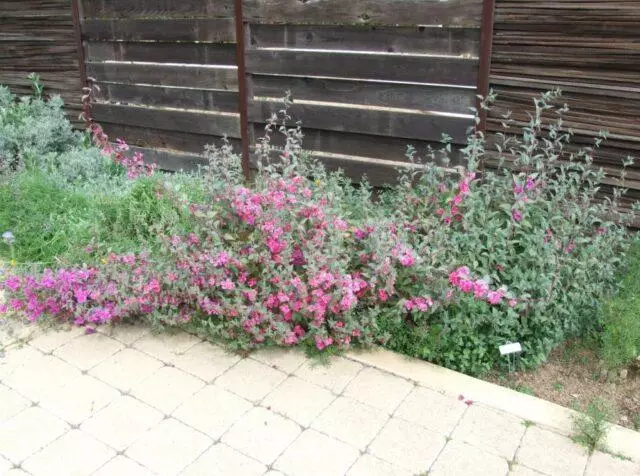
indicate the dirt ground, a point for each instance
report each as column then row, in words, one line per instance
column 574, row 375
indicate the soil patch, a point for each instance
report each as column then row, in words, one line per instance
column 573, row 376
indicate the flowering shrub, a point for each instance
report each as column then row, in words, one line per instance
column 444, row 266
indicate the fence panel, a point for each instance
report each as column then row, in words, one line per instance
column 38, row 36
column 167, row 73
column 367, row 77
column 590, row 51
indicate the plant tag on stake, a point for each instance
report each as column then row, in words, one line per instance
column 507, row 349
column 512, row 351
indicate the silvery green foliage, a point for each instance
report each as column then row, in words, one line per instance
column 31, row 127
column 534, row 224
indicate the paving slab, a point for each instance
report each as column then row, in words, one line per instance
column 126, row 401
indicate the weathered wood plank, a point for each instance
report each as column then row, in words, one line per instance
column 163, row 139
column 362, row 145
column 157, row 9
column 408, row 68
column 377, row 12
column 369, row 93
column 157, row 96
column 418, row 39
column 369, row 120
column 179, row 53
column 211, row 30
column 216, row 124
column 170, row 160
column 202, row 77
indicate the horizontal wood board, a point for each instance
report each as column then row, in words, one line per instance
column 591, row 51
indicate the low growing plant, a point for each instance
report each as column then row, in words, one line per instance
column 590, row 428
column 621, row 316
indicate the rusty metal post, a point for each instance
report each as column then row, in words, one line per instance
column 77, row 25
column 242, row 87
column 484, row 67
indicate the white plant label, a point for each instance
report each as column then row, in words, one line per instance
column 510, row 348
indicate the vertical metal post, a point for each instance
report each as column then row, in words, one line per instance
column 484, row 68
column 242, row 87
column 77, row 25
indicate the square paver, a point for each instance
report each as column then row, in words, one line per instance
column 28, row 432
column 167, row 388
column 286, row 360
column 122, row 466
column 16, row 472
column 369, row 465
column 167, row 345
column 251, row 379
column 39, row 375
column 407, row 445
column 212, row 410
column 205, row 361
column 459, row 458
column 5, row 465
column 75, row 453
column 378, row 389
column 351, row 421
column 490, row 430
column 603, row 463
column 316, row 454
column 262, row 435
column 335, row 376
column 299, row 400
column 168, row 447
column 431, row 409
column 551, row 453
column 78, row 399
column 122, row 422
column 125, row 333
column 126, row 368
column 16, row 358
column 220, row 460
column 519, row 470
column 50, row 340
column 12, row 403
column 88, row 351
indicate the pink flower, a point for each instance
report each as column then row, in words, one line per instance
column 339, row 224
column 530, row 184
column 480, row 288
column 494, row 297
column 227, row 285
column 512, row 303
column 516, row 215
column 382, row 295
column 439, row 212
column 457, row 200
column 13, row 283
column 466, row 285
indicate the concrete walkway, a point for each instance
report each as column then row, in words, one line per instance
column 135, row 403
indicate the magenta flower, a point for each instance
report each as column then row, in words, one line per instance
column 516, row 215
column 494, row 297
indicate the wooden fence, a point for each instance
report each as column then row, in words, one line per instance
column 39, row 36
column 588, row 48
column 170, row 83
column 368, row 76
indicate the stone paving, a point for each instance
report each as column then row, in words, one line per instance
column 130, row 402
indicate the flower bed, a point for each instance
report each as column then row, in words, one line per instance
column 443, row 266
